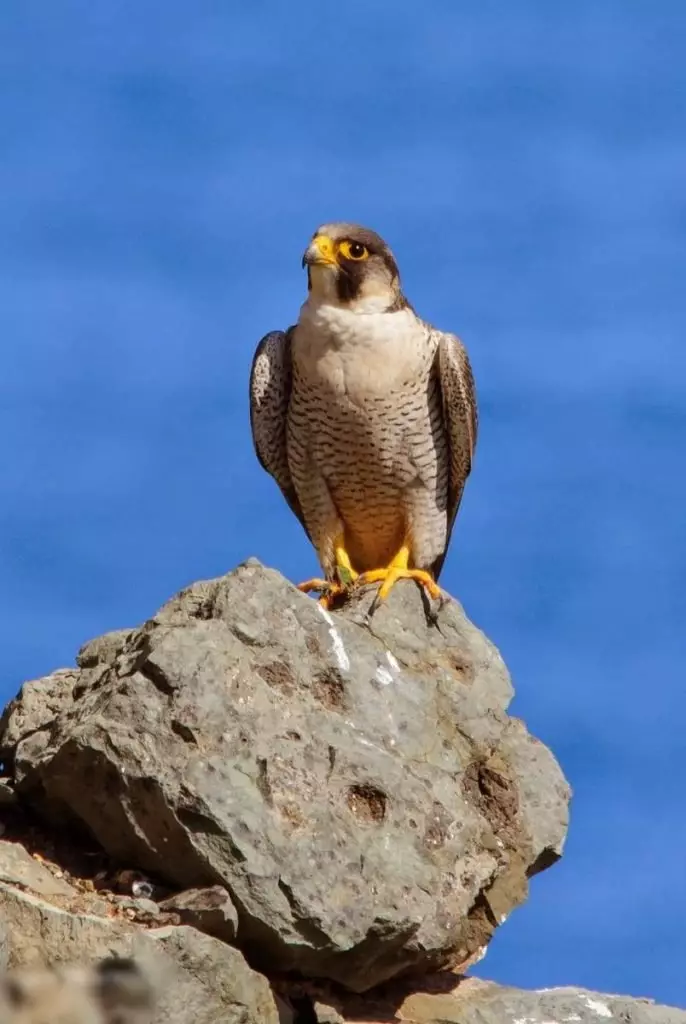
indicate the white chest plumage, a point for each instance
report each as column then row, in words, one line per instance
column 362, row 355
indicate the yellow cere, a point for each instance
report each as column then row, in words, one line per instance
column 325, row 247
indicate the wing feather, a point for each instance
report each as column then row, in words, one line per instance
column 460, row 419
column 270, row 391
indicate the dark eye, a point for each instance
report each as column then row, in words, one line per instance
column 354, row 251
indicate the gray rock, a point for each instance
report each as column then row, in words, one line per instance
column 19, row 868
column 103, row 650
column 41, row 932
column 497, row 1005
column 4, row 946
column 359, row 792
column 144, row 908
column 8, row 798
column 117, row 992
column 477, row 1002
column 325, row 1014
column 209, row 910
column 181, row 982
column 199, row 980
column 218, row 986
column 37, row 706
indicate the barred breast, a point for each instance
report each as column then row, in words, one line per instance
column 365, row 440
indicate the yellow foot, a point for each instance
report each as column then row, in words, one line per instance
column 334, row 591
column 398, row 570
column 316, row 584
column 389, row 577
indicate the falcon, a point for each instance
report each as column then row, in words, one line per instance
column 366, row 417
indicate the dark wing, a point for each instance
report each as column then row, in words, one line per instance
column 270, row 391
column 460, row 421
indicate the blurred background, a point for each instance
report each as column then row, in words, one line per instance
column 162, row 169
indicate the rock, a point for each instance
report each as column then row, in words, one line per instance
column 41, row 931
column 445, row 999
column 8, row 798
column 4, row 946
column 204, row 981
column 151, row 988
column 325, row 1014
column 360, row 792
column 493, row 1004
column 37, row 706
column 103, row 650
column 186, row 977
column 231, row 991
column 210, row 910
column 19, row 868
column 143, row 909
column 115, row 992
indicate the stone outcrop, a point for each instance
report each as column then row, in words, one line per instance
column 46, row 919
column 445, row 999
column 359, row 792
column 251, row 811
column 48, row 915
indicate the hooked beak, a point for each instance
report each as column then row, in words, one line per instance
column 321, row 252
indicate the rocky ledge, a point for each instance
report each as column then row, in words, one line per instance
column 297, row 816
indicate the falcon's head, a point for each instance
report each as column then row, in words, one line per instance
column 352, row 267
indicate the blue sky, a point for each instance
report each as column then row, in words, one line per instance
column 162, row 168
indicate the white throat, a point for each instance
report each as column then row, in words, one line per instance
column 327, row 325
column 359, row 354
column 366, row 305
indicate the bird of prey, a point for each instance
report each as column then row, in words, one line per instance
column 366, row 417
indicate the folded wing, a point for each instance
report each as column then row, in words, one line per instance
column 460, row 420
column 270, row 390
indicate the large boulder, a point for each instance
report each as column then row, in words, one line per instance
column 358, row 789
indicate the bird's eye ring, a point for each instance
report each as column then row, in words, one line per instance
column 353, row 251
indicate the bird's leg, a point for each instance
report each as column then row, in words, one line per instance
column 398, row 570
column 344, row 570
column 333, row 590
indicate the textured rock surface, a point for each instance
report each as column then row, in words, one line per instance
column 116, row 992
column 210, row 910
column 181, row 977
column 200, row 979
column 360, row 792
column 8, row 797
column 445, row 999
column 19, row 868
